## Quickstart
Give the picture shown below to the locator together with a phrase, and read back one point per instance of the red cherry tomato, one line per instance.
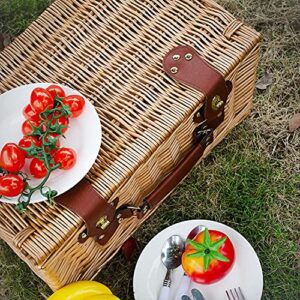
(30, 113)
(12, 158)
(63, 121)
(27, 128)
(210, 258)
(66, 157)
(27, 141)
(41, 99)
(11, 185)
(37, 168)
(55, 90)
(76, 104)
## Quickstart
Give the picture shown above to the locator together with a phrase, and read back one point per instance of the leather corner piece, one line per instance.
(184, 63)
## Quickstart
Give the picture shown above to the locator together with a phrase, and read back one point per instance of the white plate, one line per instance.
(84, 136)
(246, 271)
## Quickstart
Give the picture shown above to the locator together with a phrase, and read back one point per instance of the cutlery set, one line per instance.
(171, 258)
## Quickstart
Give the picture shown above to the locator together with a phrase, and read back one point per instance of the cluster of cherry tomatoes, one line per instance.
(47, 119)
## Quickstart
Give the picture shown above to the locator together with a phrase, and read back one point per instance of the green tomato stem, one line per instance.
(41, 153)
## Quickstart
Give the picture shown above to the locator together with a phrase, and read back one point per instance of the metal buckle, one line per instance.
(145, 206)
(203, 134)
(137, 211)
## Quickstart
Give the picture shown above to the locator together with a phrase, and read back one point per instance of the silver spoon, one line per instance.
(171, 257)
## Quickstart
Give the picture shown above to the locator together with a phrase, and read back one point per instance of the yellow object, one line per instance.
(103, 297)
(83, 290)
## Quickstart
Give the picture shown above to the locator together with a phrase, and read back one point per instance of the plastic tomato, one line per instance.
(209, 257)
(30, 113)
(55, 91)
(12, 158)
(76, 104)
(11, 185)
(66, 157)
(41, 99)
(27, 126)
(37, 168)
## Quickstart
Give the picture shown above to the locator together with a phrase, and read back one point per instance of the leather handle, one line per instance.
(184, 64)
(176, 176)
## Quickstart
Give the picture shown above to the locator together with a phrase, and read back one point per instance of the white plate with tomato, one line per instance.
(45, 127)
(244, 270)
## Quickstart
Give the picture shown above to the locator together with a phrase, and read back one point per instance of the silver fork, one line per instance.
(235, 294)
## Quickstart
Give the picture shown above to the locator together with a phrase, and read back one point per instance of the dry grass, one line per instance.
(251, 181)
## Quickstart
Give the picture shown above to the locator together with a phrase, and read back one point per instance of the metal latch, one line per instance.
(203, 134)
(103, 223)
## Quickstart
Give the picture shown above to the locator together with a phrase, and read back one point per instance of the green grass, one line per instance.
(250, 182)
(16, 15)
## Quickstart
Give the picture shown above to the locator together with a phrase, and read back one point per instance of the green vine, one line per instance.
(48, 127)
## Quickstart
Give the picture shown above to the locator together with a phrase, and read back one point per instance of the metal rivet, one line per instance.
(188, 56)
(176, 57)
(101, 237)
(83, 235)
(220, 104)
(120, 220)
(174, 70)
(217, 103)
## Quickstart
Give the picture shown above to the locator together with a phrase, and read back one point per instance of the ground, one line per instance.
(251, 180)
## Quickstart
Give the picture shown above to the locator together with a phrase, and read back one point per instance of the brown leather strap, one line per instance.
(97, 213)
(185, 65)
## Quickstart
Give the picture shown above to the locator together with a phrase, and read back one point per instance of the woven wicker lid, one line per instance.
(112, 52)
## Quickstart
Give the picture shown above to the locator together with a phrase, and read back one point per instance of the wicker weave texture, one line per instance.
(112, 52)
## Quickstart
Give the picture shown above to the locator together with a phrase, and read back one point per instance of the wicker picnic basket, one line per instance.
(169, 80)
